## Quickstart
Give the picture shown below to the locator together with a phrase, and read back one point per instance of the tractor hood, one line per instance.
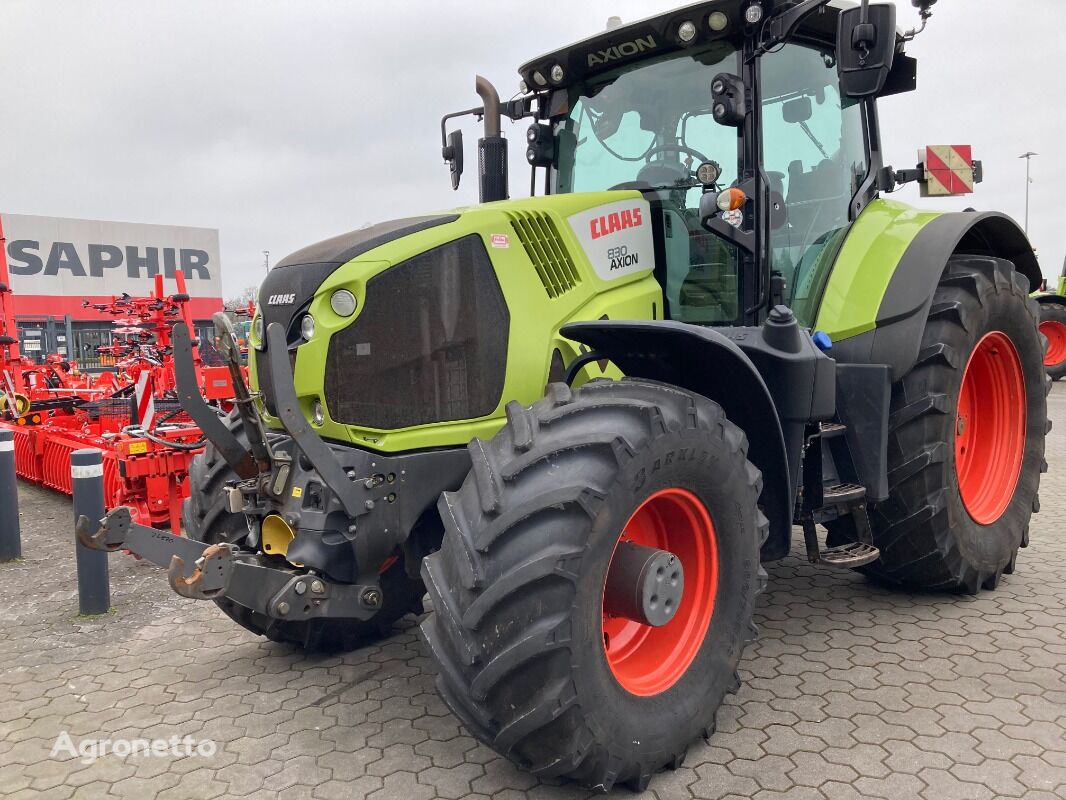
(291, 284)
(432, 345)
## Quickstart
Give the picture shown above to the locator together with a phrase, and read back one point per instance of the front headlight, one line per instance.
(257, 333)
(318, 414)
(342, 302)
(307, 327)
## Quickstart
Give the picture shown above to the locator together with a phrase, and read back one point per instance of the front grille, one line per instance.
(430, 344)
(545, 248)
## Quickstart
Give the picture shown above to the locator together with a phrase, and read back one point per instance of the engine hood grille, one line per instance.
(429, 345)
(291, 285)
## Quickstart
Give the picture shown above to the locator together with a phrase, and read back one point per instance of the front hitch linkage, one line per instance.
(202, 571)
(195, 570)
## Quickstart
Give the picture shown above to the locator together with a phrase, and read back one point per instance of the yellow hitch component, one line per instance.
(276, 535)
(22, 404)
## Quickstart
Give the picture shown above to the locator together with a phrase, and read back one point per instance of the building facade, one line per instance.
(57, 265)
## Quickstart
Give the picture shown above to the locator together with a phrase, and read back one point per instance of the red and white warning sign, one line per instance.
(949, 170)
(145, 397)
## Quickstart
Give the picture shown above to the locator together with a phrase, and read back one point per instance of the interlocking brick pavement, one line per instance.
(852, 691)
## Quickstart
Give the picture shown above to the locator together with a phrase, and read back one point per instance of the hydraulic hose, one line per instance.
(140, 433)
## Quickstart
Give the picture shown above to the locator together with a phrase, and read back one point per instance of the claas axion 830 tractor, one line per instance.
(708, 222)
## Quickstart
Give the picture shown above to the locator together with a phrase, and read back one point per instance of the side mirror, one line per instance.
(453, 154)
(798, 110)
(865, 50)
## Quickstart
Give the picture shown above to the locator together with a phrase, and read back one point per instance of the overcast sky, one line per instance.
(283, 123)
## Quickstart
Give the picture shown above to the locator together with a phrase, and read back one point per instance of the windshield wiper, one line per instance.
(806, 129)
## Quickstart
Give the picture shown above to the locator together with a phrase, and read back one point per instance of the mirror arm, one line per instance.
(522, 108)
(475, 112)
(784, 24)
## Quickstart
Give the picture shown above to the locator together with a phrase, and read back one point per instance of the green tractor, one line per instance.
(797, 349)
(1053, 326)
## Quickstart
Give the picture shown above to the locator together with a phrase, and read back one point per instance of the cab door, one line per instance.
(815, 156)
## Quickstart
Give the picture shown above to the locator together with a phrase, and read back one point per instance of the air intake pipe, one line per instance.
(492, 149)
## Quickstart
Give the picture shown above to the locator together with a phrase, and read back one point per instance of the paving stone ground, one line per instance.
(852, 691)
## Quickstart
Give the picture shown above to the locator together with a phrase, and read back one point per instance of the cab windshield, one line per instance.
(649, 128)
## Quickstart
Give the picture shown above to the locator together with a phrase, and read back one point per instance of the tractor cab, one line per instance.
(623, 132)
(754, 142)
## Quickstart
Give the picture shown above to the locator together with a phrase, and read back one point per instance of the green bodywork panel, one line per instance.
(853, 291)
(535, 316)
(865, 265)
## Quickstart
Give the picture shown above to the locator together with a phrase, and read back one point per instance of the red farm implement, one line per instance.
(132, 414)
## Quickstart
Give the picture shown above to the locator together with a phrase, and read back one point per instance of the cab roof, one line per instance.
(655, 36)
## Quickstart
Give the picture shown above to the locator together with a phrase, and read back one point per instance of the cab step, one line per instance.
(831, 430)
(843, 494)
(849, 556)
(845, 556)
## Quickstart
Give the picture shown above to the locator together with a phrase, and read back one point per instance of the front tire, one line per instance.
(529, 655)
(966, 446)
(206, 518)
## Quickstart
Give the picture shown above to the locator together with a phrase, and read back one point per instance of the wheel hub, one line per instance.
(648, 648)
(644, 585)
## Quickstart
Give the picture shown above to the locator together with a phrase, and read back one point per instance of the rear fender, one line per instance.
(904, 308)
(707, 363)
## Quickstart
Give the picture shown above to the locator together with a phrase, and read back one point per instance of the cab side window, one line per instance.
(814, 153)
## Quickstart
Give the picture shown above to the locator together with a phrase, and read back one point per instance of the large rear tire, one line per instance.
(530, 655)
(206, 518)
(966, 443)
(1053, 326)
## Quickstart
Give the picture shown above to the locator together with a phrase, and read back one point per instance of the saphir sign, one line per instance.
(51, 256)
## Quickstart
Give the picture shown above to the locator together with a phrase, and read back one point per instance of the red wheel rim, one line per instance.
(647, 660)
(990, 428)
(1055, 332)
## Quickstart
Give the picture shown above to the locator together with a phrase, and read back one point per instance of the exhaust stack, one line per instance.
(492, 148)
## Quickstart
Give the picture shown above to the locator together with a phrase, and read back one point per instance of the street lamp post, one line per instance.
(1028, 180)
(266, 261)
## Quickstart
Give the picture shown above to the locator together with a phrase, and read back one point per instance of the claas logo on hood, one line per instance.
(615, 221)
